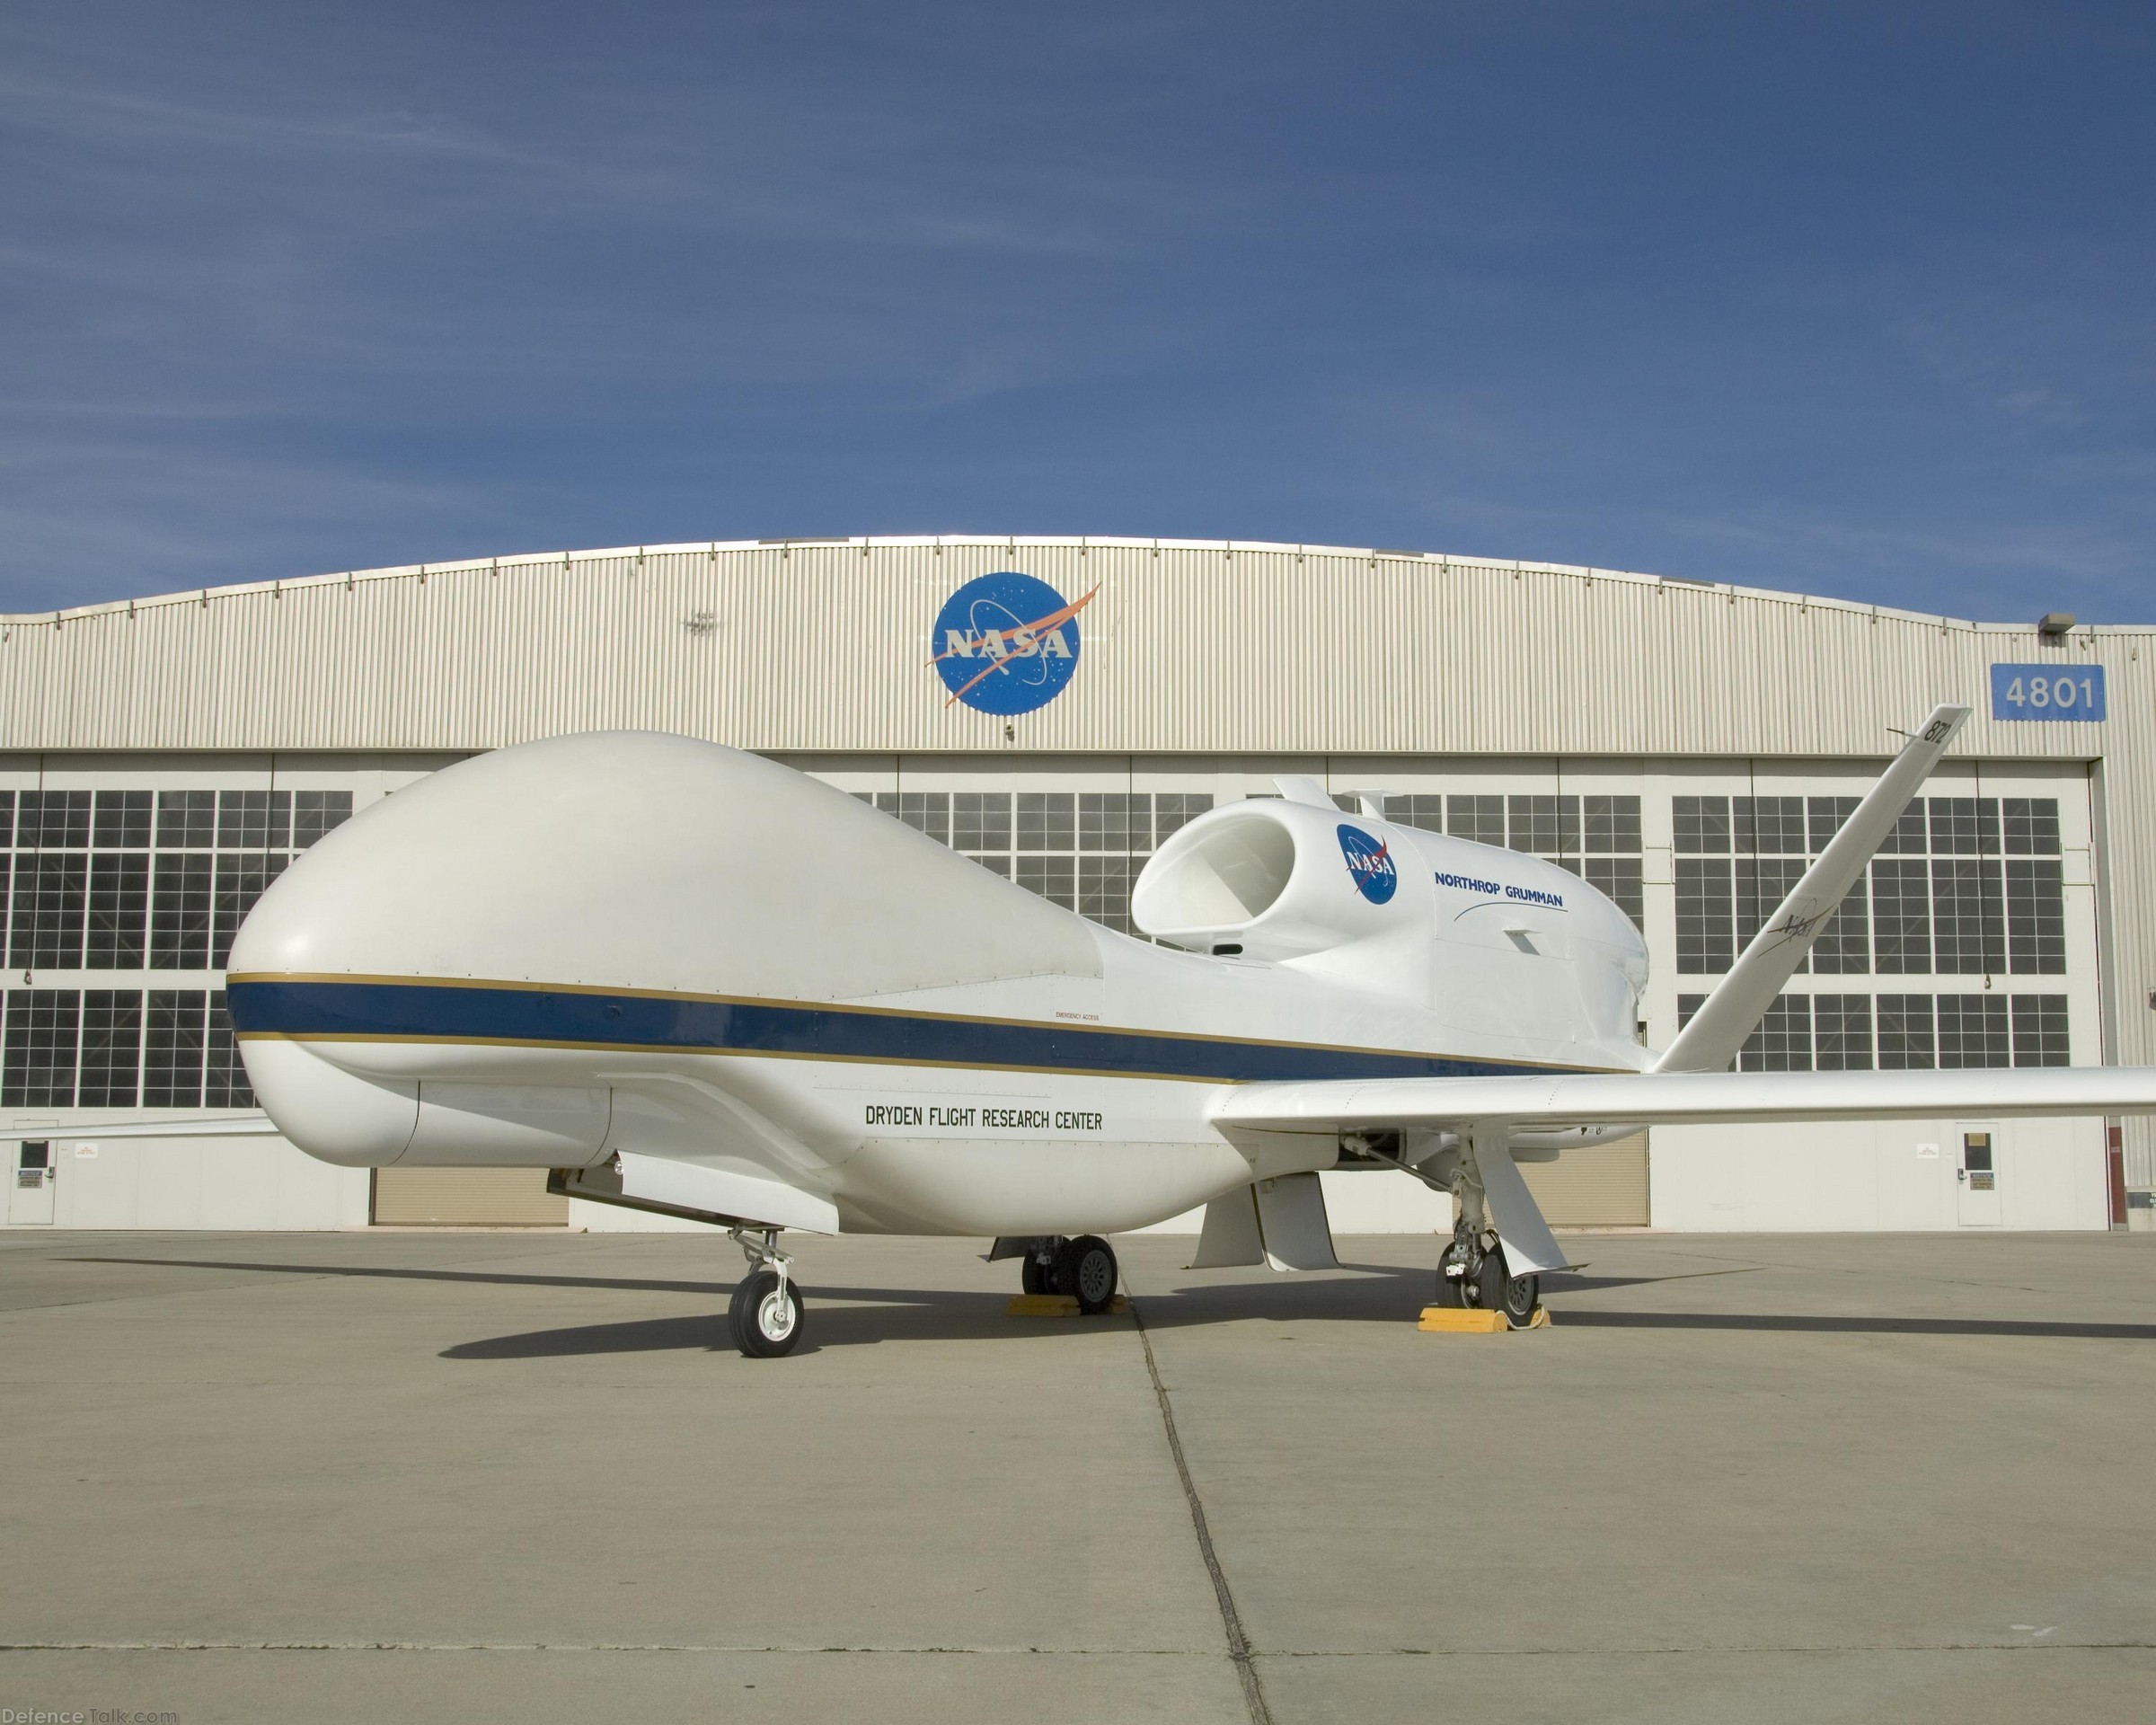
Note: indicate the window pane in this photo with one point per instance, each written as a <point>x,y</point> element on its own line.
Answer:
<point>1953,826</point>
<point>2035,916</point>
<point>314,813</point>
<point>187,820</point>
<point>1047,821</point>
<point>175,1022</point>
<point>52,821</point>
<point>1762,883</point>
<point>37,1069</point>
<point>1104,890</point>
<point>1908,836</point>
<point>1612,824</point>
<point>2040,1030</point>
<point>1532,825</point>
<point>180,911</point>
<point>1844,945</point>
<point>1054,877</point>
<point>242,878</point>
<point>980,820</point>
<point>1113,821</point>
<point>2032,825</point>
<point>122,821</point>
<point>1973,1031</point>
<point>1174,809</point>
<point>1901,917</point>
<point>111,1054</point>
<point>224,1078</point>
<point>1479,818</point>
<point>1842,1031</point>
<point>1426,812</point>
<point>1768,826</point>
<point>47,913</point>
<point>1619,879</point>
<point>254,820</point>
<point>1906,1041</point>
<point>1706,921</point>
<point>1700,824</point>
<point>1783,1040</point>
<point>1968,922</point>
<point>119,910</point>
<point>926,812</point>
<point>1825,817</point>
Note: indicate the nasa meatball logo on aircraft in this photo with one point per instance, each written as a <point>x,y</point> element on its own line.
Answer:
<point>1369,864</point>
<point>1006,643</point>
<point>865,1032</point>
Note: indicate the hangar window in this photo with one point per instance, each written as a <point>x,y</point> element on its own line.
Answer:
<point>111,1049</point>
<point>1825,817</point>
<point>37,1069</point>
<point>1701,825</point>
<point>1768,826</point>
<point>7,816</point>
<point>223,1078</point>
<point>1104,890</point>
<point>2031,826</point>
<point>1619,879</point>
<point>1479,818</point>
<point>1613,825</point>
<point>926,812</point>
<point>1973,1031</point>
<point>119,910</point>
<point>1705,922</point>
<point>1762,883</point>
<point>1174,809</point>
<point>46,915</point>
<point>187,820</point>
<point>1845,945</point>
<point>316,813</point>
<point>1047,821</point>
<point>175,1022</point>
<point>242,879</point>
<point>1547,827</point>
<point>1425,812</point>
<point>980,822</point>
<point>1968,925</point>
<point>254,820</point>
<point>122,820</point>
<point>1054,877</point>
<point>52,821</point>
<point>1901,917</point>
<point>1906,1041</point>
<point>1115,822</point>
<point>180,899</point>
<point>2035,915</point>
<point>1842,1033</point>
<point>1908,836</point>
<point>1783,1040</point>
<point>2040,1030</point>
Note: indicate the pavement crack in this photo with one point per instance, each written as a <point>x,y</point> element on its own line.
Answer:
<point>1230,1621</point>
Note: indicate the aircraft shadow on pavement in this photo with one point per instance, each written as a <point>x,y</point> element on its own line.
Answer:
<point>1376,1294</point>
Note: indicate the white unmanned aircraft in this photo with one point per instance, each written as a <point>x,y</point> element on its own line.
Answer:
<point>689,980</point>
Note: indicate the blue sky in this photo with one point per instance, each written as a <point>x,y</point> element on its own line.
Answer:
<point>1852,300</point>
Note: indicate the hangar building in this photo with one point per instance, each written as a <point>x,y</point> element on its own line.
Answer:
<point>1685,745</point>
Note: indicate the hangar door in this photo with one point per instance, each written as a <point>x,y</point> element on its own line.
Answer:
<point>1604,1186</point>
<point>467,1197</point>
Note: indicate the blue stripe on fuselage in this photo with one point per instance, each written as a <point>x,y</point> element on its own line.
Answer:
<point>378,1011</point>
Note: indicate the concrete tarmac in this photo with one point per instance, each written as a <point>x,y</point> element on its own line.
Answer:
<point>496,1475</point>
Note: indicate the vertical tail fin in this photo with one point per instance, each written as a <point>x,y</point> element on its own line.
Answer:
<point>1733,1011</point>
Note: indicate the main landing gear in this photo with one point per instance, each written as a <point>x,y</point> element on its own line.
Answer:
<point>766,1312</point>
<point>1473,1273</point>
<point>1083,1268</point>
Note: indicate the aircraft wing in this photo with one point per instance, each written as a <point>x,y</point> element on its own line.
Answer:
<point>1687,1098</point>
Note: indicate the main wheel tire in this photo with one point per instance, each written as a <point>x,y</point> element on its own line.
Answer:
<point>1485,1283</point>
<point>1521,1295</point>
<point>765,1325</point>
<point>1451,1290</point>
<point>1035,1276</point>
<point>1086,1270</point>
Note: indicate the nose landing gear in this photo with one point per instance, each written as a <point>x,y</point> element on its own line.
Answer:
<point>765,1312</point>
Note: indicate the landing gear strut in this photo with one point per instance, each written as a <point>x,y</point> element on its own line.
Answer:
<point>765,1312</point>
<point>1084,1268</point>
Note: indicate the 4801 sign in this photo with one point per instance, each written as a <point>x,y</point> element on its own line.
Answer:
<point>2072,693</point>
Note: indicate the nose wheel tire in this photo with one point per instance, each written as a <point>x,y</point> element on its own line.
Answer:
<point>766,1319</point>
<point>1037,1277</point>
<point>1491,1287</point>
<point>1086,1269</point>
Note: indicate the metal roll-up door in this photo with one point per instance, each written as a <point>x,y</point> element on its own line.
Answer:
<point>467,1197</point>
<point>1601,1186</point>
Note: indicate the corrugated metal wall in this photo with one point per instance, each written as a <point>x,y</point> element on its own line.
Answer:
<point>1216,648</point>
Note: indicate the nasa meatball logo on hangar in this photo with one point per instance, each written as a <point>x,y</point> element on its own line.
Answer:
<point>1007,644</point>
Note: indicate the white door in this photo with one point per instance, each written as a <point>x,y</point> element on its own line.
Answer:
<point>1977,1178</point>
<point>30,1196</point>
